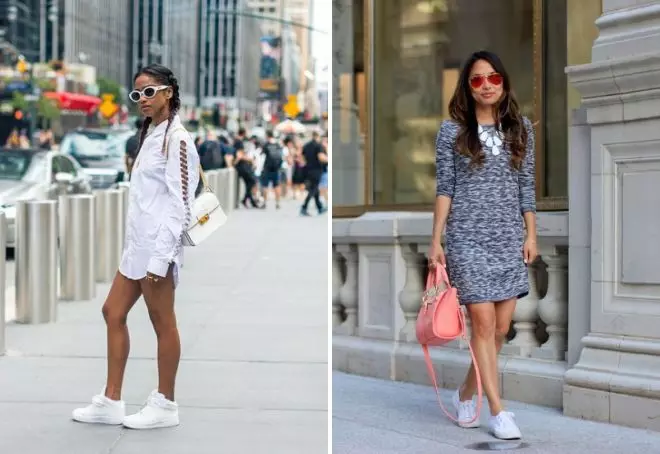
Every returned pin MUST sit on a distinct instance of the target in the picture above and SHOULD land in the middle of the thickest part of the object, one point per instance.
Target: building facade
(228, 57)
(166, 32)
(95, 33)
(19, 27)
(585, 339)
(269, 9)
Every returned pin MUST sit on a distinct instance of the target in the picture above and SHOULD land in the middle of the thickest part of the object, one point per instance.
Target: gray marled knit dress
(485, 229)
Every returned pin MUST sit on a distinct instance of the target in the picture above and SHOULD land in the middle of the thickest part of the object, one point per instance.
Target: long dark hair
(163, 76)
(508, 118)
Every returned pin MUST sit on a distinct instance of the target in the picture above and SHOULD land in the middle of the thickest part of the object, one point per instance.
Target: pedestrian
(270, 173)
(486, 205)
(315, 158)
(131, 147)
(160, 198)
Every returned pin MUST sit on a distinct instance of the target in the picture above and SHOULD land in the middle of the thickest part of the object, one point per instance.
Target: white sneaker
(157, 412)
(504, 427)
(101, 411)
(465, 412)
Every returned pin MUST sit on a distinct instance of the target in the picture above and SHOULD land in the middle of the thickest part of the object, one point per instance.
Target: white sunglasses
(147, 92)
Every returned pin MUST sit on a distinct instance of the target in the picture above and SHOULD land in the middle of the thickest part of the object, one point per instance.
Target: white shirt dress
(160, 202)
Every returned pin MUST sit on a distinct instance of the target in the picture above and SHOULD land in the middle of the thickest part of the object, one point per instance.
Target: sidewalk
(371, 416)
(253, 316)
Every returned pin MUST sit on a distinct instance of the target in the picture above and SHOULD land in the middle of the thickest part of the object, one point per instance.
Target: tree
(110, 87)
(47, 108)
(18, 101)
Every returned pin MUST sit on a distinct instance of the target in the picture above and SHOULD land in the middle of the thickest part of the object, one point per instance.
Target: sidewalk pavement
(371, 416)
(253, 317)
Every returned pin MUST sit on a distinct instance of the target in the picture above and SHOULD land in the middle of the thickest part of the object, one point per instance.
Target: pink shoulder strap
(442, 276)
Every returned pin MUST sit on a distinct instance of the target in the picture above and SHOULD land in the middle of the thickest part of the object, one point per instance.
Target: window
(418, 49)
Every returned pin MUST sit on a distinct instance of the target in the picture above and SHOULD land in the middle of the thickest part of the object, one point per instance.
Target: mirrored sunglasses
(493, 79)
(147, 92)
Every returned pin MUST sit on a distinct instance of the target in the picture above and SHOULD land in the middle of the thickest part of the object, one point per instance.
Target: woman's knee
(483, 321)
(114, 316)
(162, 321)
(502, 331)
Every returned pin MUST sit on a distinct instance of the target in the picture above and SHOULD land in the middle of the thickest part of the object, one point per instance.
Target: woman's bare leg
(503, 315)
(159, 297)
(123, 294)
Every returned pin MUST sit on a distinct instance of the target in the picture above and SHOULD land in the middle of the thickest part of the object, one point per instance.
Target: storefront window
(418, 48)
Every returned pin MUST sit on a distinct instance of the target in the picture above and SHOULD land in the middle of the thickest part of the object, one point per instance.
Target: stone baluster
(337, 281)
(524, 319)
(553, 308)
(348, 294)
(410, 297)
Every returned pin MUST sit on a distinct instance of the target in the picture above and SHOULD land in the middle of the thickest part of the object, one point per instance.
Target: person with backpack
(270, 174)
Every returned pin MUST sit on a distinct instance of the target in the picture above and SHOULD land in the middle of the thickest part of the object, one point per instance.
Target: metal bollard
(36, 261)
(211, 176)
(223, 189)
(3, 276)
(77, 243)
(109, 233)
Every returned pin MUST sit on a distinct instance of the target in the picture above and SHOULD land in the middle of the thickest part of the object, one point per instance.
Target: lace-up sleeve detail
(178, 210)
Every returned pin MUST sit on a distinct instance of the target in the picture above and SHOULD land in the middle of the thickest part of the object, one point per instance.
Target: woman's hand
(153, 278)
(437, 256)
(529, 251)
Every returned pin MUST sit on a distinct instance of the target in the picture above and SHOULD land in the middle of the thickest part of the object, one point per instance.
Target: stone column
(617, 377)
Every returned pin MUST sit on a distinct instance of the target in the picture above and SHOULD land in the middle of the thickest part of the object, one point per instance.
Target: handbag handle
(205, 183)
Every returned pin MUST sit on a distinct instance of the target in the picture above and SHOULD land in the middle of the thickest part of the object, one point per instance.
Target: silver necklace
(491, 138)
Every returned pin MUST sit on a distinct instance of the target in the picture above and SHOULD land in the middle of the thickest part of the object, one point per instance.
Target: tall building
(228, 70)
(95, 32)
(300, 12)
(269, 9)
(166, 32)
(19, 27)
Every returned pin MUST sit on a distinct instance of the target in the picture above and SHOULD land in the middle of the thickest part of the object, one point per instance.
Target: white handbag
(206, 214)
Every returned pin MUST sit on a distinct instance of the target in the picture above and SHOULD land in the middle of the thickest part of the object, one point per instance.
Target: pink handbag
(441, 320)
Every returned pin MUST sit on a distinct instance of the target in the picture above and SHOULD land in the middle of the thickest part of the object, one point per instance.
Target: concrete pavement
(253, 316)
(371, 416)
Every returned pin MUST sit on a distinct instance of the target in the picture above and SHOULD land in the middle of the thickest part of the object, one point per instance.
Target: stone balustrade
(379, 268)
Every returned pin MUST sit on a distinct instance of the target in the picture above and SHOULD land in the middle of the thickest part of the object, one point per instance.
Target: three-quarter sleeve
(445, 173)
(177, 213)
(527, 174)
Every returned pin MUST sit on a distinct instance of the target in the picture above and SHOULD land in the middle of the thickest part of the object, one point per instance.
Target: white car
(36, 175)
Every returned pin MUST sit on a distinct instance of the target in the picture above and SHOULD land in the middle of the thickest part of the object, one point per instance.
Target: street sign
(291, 107)
(108, 107)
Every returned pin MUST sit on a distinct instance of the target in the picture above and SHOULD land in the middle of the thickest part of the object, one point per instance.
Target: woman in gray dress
(486, 205)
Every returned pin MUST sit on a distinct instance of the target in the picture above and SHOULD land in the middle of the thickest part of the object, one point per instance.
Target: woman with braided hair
(165, 175)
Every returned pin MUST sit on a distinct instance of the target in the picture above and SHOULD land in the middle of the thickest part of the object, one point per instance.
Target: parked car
(100, 152)
(36, 175)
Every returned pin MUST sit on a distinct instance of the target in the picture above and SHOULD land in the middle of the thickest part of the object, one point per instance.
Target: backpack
(274, 157)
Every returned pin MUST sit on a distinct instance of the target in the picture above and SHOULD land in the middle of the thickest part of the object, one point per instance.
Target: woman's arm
(527, 194)
(176, 217)
(527, 183)
(445, 176)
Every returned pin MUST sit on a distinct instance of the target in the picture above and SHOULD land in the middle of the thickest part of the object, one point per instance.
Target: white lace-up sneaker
(157, 412)
(465, 412)
(101, 411)
(504, 427)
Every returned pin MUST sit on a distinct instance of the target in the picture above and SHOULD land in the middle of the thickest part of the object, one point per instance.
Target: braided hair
(163, 76)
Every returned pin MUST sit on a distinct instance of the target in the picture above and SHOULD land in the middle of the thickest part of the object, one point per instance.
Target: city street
(253, 316)
(371, 416)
